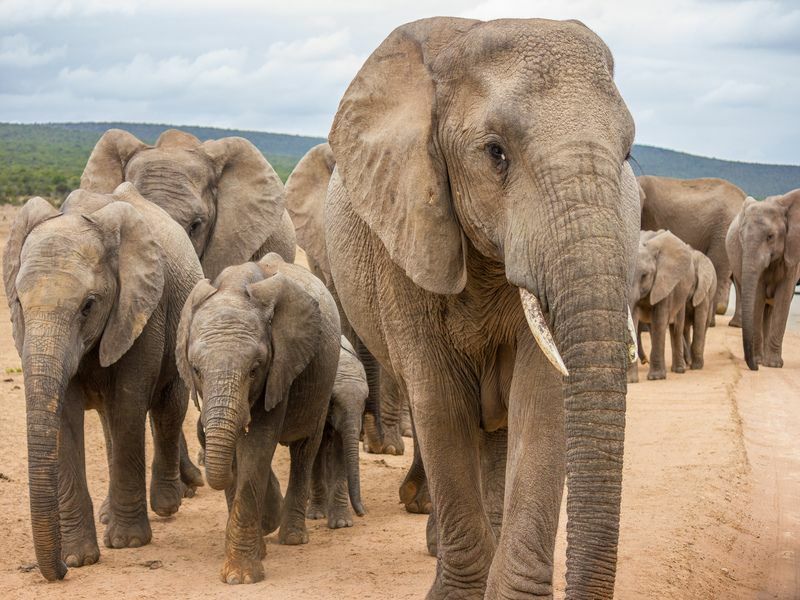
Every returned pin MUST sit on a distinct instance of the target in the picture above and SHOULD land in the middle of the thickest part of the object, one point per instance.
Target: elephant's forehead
(173, 162)
(64, 240)
(227, 315)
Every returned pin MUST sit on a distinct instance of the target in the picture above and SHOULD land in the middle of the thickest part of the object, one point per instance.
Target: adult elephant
(698, 211)
(305, 200)
(481, 182)
(764, 246)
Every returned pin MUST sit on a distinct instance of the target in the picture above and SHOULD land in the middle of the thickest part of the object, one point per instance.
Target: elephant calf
(260, 345)
(336, 472)
(665, 277)
(95, 292)
(699, 309)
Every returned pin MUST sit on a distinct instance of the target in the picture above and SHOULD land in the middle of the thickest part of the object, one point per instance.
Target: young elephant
(662, 285)
(95, 292)
(764, 247)
(260, 345)
(336, 472)
(699, 309)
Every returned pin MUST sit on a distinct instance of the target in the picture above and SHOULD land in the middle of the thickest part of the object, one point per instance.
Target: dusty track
(711, 502)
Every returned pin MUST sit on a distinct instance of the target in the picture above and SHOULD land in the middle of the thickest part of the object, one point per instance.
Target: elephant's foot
(736, 321)
(315, 511)
(416, 497)
(79, 549)
(633, 374)
(190, 475)
(241, 570)
(721, 308)
(104, 514)
(201, 457)
(678, 369)
(339, 516)
(697, 364)
(405, 423)
(392, 443)
(656, 374)
(165, 495)
(293, 535)
(125, 533)
(432, 536)
(772, 361)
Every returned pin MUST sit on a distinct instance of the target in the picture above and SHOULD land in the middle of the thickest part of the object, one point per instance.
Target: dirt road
(711, 502)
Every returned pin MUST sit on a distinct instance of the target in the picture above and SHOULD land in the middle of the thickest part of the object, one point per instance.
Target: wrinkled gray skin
(698, 211)
(336, 472)
(663, 284)
(95, 292)
(306, 189)
(224, 194)
(764, 247)
(699, 310)
(260, 346)
(475, 159)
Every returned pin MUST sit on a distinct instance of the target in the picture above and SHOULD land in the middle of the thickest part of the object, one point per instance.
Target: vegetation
(48, 159)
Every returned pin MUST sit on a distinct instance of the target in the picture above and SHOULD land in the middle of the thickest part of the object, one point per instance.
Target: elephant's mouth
(544, 337)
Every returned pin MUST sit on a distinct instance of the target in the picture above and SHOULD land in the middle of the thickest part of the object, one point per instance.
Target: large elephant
(95, 292)
(481, 224)
(306, 188)
(260, 345)
(698, 211)
(764, 247)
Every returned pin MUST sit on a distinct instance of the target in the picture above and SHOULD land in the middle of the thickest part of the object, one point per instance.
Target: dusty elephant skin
(95, 293)
(336, 476)
(260, 346)
(699, 212)
(662, 286)
(764, 247)
(699, 310)
(475, 161)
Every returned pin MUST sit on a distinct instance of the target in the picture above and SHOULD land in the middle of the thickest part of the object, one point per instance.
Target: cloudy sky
(713, 77)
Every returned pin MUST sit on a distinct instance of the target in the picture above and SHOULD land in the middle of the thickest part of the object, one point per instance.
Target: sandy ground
(711, 502)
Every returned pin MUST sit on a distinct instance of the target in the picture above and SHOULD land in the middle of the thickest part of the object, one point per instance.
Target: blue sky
(718, 78)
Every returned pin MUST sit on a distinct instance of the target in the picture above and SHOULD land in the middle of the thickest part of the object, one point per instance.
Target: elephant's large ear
(705, 278)
(296, 324)
(105, 169)
(305, 200)
(201, 292)
(791, 250)
(140, 276)
(250, 203)
(671, 265)
(384, 140)
(35, 211)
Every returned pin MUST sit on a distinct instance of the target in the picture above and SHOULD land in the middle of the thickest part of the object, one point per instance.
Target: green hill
(47, 159)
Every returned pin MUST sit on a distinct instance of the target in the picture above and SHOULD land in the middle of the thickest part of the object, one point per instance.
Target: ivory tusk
(540, 330)
(633, 348)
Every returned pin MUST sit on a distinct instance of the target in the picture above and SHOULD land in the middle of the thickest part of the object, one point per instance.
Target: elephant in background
(260, 345)
(95, 292)
(480, 216)
(699, 212)
(306, 188)
(764, 247)
(699, 310)
(336, 472)
(663, 284)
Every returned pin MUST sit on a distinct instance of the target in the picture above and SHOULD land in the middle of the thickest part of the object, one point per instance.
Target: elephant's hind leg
(166, 488)
(293, 526)
(317, 506)
(338, 500)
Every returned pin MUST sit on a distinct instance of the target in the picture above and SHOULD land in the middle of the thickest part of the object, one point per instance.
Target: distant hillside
(48, 159)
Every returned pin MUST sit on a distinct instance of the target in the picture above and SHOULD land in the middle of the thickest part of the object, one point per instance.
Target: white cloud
(18, 51)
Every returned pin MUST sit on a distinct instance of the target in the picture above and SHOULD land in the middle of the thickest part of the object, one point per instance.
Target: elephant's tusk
(540, 330)
(633, 348)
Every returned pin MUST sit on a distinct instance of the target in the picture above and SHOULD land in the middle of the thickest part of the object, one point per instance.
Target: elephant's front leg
(700, 321)
(658, 335)
(494, 451)
(338, 500)
(736, 319)
(773, 340)
(413, 491)
(523, 563)
(166, 488)
(317, 506)
(78, 535)
(676, 339)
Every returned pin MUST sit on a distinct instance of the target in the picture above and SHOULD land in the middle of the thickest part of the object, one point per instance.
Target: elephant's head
(509, 139)
(305, 200)
(86, 278)
(662, 263)
(242, 340)
(206, 187)
(768, 231)
(705, 281)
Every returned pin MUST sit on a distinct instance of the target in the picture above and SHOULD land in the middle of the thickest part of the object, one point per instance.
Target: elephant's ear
(35, 211)
(305, 200)
(384, 140)
(140, 275)
(105, 169)
(250, 203)
(705, 278)
(672, 263)
(201, 292)
(791, 250)
(296, 326)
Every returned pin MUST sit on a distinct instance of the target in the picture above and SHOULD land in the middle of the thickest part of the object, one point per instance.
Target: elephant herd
(473, 232)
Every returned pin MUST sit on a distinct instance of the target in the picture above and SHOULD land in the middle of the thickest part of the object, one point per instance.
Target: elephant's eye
(195, 226)
(196, 372)
(87, 306)
(498, 155)
(770, 237)
(253, 373)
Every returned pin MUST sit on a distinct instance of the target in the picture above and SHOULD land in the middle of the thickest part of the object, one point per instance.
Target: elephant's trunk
(222, 427)
(350, 444)
(46, 378)
(751, 273)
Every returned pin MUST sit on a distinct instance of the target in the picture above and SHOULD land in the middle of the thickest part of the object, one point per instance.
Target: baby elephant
(260, 345)
(699, 309)
(665, 277)
(336, 473)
